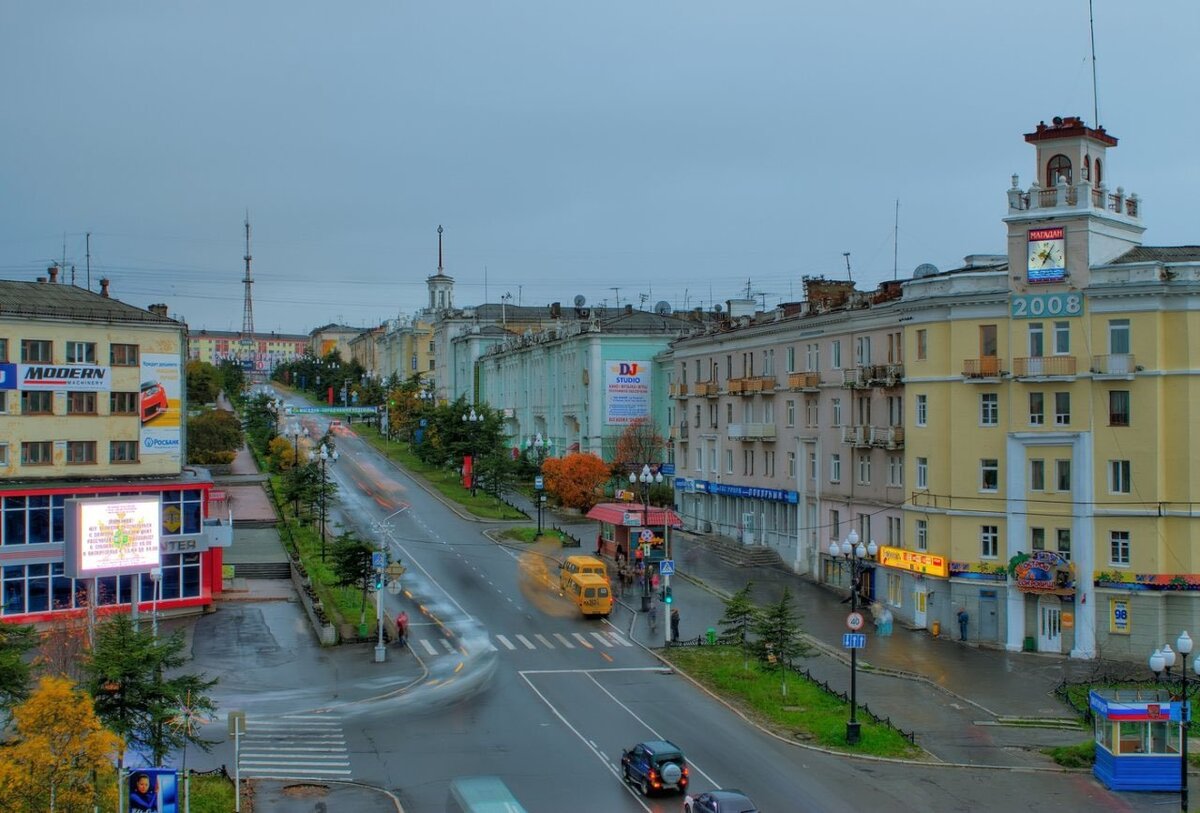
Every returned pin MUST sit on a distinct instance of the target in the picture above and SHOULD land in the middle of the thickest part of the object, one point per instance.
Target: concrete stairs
(739, 555)
(263, 570)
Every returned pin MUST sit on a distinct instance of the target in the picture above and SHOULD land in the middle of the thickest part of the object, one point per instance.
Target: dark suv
(655, 765)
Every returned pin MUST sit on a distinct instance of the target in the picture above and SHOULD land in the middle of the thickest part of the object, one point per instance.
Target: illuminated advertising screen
(112, 536)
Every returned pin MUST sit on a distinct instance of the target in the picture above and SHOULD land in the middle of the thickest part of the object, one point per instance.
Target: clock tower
(1069, 219)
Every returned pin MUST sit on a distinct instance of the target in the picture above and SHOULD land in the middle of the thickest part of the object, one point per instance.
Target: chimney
(104, 287)
(628, 308)
(53, 272)
(158, 310)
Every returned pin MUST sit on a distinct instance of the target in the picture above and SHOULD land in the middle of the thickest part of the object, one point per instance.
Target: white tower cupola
(441, 286)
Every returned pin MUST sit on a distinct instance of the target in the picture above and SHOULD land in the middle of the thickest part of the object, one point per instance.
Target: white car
(719, 801)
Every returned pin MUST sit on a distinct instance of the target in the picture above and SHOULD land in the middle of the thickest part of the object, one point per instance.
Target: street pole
(853, 552)
(1166, 657)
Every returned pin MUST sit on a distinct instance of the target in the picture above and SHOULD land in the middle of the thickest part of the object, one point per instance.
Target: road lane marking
(599, 636)
(528, 644)
(506, 642)
(544, 640)
(428, 647)
(579, 637)
(620, 639)
(563, 640)
(449, 647)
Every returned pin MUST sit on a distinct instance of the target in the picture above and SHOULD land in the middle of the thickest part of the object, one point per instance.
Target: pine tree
(739, 619)
(779, 634)
(352, 566)
(15, 642)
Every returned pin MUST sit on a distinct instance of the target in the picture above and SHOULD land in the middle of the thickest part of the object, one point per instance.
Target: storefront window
(1132, 736)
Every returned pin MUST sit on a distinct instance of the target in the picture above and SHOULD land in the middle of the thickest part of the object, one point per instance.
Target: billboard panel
(161, 404)
(626, 392)
(112, 536)
(65, 377)
(153, 790)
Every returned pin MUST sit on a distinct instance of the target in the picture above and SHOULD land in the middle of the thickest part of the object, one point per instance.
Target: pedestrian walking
(620, 554)
(599, 544)
(402, 628)
(962, 623)
(675, 625)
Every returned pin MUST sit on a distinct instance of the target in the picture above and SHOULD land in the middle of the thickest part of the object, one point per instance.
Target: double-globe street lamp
(853, 551)
(294, 431)
(324, 455)
(1163, 659)
(646, 478)
(472, 420)
(540, 448)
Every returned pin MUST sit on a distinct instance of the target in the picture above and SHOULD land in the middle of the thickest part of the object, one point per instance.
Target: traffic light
(667, 595)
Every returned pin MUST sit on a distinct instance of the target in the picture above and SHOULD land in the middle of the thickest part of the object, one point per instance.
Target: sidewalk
(952, 695)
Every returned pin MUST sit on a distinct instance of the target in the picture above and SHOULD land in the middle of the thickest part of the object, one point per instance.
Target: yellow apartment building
(1052, 452)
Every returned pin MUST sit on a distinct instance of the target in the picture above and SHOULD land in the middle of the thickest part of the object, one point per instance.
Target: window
(922, 410)
(922, 534)
(835, 524)
(895, 470)
(1037, 475)
(37, 453)
(835, 405)
(1119, 547)
(1118, 477)
(922, 472)
(3, 349)
(697, 422)
(989, 409)
(431, 364)
(835, 468)
(895, 589)
(811, 413)
(413, 363)
(864, 469)
(1118, 336)
(729, 412)
(1063, 536)
(728, 367)
(791, 359)
(3, 402)
(81, 403)
(37, 402)
(769, 463)
(1037, 340)
(1062, 474)
(1037, 408)
(1056, 167)
(1118, 408)
(791, 464)
(862, 351)
(747, 462)
(864, 526)
(893, 533)
(81, 451)
(987, 341)
(812, 358)
(123, 403)
(835, 353)
(922, 344)
(699, 457)
(1062, 338)
(989, 474)
(812, 465)
(895, 347)
(1062, 408)
(729, 461)
(122, 451)
(895, 410)
(1037, 538)
(36, 350)
(3, 454)
(126, 355)
(790, 411)
(989, 542)
(81, 352)
(864, 410)
(712, 415)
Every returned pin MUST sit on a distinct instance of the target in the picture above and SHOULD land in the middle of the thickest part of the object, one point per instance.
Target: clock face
(1047, 255)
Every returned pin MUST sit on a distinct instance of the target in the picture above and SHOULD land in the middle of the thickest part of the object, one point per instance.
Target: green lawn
(806, 714)
(211, 794)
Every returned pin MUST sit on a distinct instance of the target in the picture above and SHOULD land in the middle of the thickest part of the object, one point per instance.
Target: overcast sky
(669, 149)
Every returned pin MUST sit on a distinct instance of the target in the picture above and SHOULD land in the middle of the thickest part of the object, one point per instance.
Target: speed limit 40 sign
(855, 621)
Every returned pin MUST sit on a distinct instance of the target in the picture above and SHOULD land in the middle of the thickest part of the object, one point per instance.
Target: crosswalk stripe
(544, 640)
(428, 647)
(299, 747)
(506, 642)
(563, 640)
(620, 639)
(449, 647)
(602, 638)
(528, 644)
(578, 637)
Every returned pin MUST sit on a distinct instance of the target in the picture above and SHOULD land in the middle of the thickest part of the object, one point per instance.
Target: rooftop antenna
(248, 304)
(896, 243)
(89, 262)
(440, 272)
(1095, 96)
(643, 298)
(849, 276)
(748, 294)
(485, 283)
(617, 295)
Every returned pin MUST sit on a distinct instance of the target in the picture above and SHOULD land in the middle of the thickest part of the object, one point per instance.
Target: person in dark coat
(674, 625)
(962, 624)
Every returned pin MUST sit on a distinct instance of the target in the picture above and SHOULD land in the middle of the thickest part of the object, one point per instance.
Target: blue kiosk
(1137, 738)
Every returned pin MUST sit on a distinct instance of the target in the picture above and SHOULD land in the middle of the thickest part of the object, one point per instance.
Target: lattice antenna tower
(248, 305)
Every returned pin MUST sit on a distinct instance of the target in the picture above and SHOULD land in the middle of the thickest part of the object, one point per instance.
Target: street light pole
(646, 478)
(324, 455)
(537, 443)
(1165, 657)
(853, 551)
(472, 420)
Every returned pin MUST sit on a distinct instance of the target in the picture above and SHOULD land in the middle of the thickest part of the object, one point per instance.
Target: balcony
(853, 377)
(1116, 365)
(859, 436)
(737, 386)
(680, 432)
(751, 431)
(887, 437)
(679, 390)
(986, 368)
(810, 382)
(707, 388)
(1039, 367)
(767, 384)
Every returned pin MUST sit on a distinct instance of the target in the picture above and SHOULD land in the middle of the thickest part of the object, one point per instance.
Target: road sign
(393, 587)
(378, 560)
(667, 567)
(237, 722)
(537, 482)
(646, 535)
(395, 570)
(854, 640)
(855, 621)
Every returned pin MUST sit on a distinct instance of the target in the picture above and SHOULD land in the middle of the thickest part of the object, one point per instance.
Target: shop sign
(924, 563)
(1042, 571)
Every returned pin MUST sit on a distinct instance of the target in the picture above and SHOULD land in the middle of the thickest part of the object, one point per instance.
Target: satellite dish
(717, 308)
(663, 308)
(925, 270)
(580, 300)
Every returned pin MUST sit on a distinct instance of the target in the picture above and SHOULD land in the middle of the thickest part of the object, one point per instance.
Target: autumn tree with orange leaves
(576, 480)
(61, 758)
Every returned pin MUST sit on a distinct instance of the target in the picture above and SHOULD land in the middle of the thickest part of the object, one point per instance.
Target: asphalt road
(502, 676)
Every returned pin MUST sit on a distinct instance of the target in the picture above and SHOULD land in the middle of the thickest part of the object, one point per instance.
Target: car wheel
(625, 774)
(645, 788)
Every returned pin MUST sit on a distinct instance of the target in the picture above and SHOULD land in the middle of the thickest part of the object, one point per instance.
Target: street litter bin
(711, 635)
(645, 603)
(362, 630)
(936, 628)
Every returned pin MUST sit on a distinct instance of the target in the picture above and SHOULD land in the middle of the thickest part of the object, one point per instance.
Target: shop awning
(634, 515)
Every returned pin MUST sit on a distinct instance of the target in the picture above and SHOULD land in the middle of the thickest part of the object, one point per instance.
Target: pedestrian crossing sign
(667, 567)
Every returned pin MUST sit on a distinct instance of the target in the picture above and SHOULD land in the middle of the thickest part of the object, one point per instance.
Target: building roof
(1159, 254)
(614, 513)
(69, 302)
(202, 333)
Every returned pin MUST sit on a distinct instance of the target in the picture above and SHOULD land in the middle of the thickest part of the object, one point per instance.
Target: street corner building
(97, 506)
(1018, 434)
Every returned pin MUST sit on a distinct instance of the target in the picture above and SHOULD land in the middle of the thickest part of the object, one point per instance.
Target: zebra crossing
(294, 746)
(517, 642)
